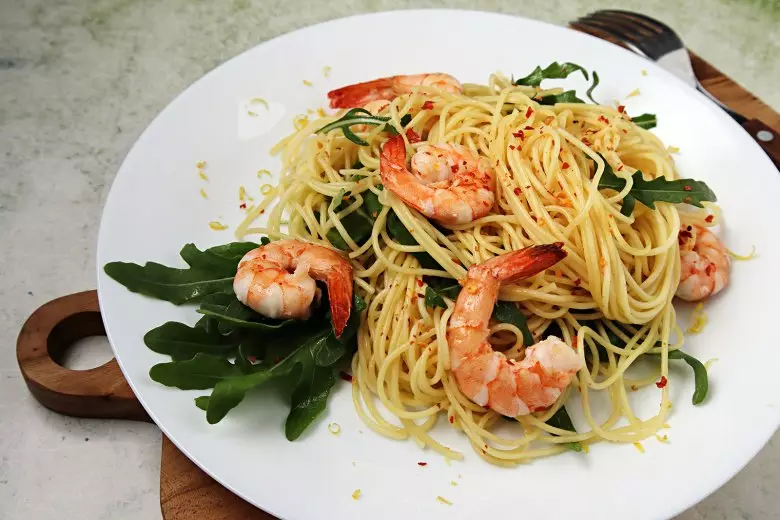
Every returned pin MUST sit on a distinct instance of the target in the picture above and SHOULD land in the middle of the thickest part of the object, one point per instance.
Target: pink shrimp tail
(359, 94)
(524, 263)
(340, 296)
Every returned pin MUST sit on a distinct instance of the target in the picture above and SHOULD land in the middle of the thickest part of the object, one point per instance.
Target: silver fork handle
(739, 118)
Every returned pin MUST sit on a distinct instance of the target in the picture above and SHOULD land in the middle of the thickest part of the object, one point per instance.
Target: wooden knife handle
(100, 392)
(767, 138)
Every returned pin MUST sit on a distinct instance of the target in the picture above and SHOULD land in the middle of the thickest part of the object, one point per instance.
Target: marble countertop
(80, 80)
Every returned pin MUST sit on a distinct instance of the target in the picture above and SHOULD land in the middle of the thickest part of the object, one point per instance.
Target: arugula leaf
(569, 96)
(238, 315)
(701, 381)
(503, 312)
(646, 121)
(182, 342)
(554, 70)
(202, 402)
(681, 191)
(211, 271)
(399, 233)
(507, 312)
(309, 399)
(590, 90)
(217, 260)
(561, 419)
(357, 116)
(201, 372)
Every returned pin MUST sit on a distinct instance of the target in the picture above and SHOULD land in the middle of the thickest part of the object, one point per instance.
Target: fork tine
(629, 28)
(638, 34)
(596, 31)
(608, 25)
(647, 22)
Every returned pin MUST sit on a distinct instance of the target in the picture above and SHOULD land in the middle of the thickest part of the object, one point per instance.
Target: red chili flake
(687, 200)
(528, 127)
(242, 205)
(604, 120)
(428, 105)
(689, 228)
(548, 120)
(710, 268)
(662, 382)
(575, 121)
(517, 191)
(422, 463)
(262, 211)
(688, 188)
(574, 341)
(684, 236)
(452, 419)
(412, 136)
(454, 168)
(512, 147)
(619, 168)
(621, 108)
(709, 218)
(585, 141)
(419, 282)
(577, 282)
(346, 377)
(565, 166)
(529, 112)
(519, 134)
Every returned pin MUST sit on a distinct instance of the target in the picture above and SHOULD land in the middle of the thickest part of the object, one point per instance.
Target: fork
(658, 42)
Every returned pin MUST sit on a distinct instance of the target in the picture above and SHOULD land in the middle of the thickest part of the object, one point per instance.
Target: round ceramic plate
(155, 207)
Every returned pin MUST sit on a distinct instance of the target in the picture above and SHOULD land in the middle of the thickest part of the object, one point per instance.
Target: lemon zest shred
(250, 113)
(203, 176)
(203, 193)
(709, 362)
(262, 172)
(443, 500)
(200, 165)
(699, 320)
(356, 494)
(749, 256)
(644, 72)
(638, 446)
(326, 71)
(673, 149)
(261, 101)
(662, 438)
(453, 483)
(241, 193)
(585, 448)
(334, 428)
(217, 226)
(633, 93)
(321, 112)
(307, 83)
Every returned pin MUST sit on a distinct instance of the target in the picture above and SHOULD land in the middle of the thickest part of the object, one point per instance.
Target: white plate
(155, 207)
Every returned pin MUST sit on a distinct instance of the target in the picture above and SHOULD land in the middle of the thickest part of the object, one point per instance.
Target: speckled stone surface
(79, 81)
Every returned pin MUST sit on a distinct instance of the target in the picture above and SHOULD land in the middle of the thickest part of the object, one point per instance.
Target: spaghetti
(611, 297)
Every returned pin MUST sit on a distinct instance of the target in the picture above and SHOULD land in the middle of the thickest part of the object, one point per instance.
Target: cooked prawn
(360, 94)
(278, 280)
(704, 263)
(448, 182)
(487, 377)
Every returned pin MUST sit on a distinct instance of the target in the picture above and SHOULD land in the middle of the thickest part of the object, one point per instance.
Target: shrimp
(487, 377)
(360, 94)
(704, 264)
(278, 280)
(448, 183)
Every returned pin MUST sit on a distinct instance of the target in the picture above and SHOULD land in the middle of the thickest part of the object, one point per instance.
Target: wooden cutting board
(186, 492)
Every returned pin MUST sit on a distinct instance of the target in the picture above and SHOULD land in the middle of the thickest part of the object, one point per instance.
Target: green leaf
(701, 381)
(406, 120)
(202, 402)
(554, 70)
(503, 312)
(309, 399)
(182, 342)
(356, 116)
(568, 96)
(507, 312)
(219, 260)
(681, 191)
(237, 315)
(561, 419)
(201, 372)
(211, 271)
(646, 121)
(629, 203)
(590, 90)
(399, 233)
(371, 203)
